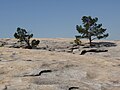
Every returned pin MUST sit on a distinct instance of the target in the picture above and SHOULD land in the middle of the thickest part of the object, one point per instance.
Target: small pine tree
(90, 29)
(23, 36)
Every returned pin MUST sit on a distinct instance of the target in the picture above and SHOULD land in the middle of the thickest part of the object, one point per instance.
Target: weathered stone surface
(40, 69)
(75, 51)
(2, 43)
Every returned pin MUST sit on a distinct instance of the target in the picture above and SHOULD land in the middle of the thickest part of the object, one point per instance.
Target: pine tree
(24, 37)
(90, 29)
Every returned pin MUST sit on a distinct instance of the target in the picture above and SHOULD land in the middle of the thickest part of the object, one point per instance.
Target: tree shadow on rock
(104, 44)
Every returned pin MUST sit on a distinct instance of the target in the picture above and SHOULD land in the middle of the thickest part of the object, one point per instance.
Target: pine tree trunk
(28, 44)
(90, 41)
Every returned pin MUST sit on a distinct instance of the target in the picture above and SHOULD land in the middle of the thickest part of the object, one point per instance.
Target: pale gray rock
(76, 51)
(53, 66)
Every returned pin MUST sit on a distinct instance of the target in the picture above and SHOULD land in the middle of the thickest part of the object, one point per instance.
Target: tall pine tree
(90, 29)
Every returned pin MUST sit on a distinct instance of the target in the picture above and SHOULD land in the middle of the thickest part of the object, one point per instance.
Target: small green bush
(77, 41)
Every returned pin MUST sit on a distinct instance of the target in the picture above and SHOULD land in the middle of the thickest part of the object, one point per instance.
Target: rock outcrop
(58, 65)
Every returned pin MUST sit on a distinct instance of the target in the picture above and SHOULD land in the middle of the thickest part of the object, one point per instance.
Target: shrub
(77, 41)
